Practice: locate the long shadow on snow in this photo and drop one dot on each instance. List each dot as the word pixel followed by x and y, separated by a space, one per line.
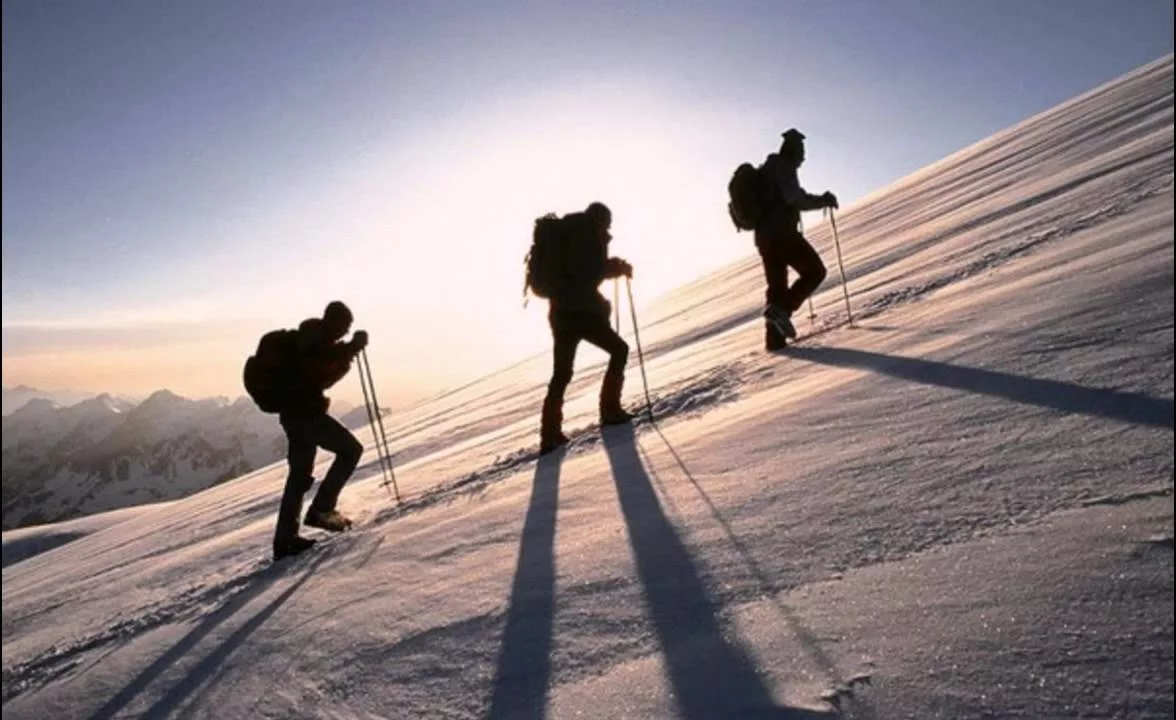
pixel 695 395
pixel 1067 397
pixel 524 662
pixel 711 677
pixel 843 689
pixel 204 670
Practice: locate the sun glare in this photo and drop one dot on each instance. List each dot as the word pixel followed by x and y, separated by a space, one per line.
pixel 449 285
pixel 425 237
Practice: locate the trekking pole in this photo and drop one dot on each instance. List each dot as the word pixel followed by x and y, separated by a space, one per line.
pixel 377 419
pixel 840 264
pixel 367 405
pixel 380 421
pixel 812 312
pixel 617 302
pixel 637 340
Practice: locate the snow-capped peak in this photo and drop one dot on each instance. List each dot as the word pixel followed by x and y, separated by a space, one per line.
pixel 36 407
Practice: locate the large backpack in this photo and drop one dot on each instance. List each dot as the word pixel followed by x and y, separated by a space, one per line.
pixel 544 262
pixel 749 191
pixel 270 372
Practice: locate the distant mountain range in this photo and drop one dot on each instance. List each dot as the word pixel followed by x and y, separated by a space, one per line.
pixel 16 397
pixel 64 460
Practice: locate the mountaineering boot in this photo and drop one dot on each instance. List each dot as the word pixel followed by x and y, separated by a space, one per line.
pixel 291 546
pixel 615 416
pixel 780 320
pixel 550 431
pixel 611 411
pixel 773 339
pixel 554 442
pixel 331 520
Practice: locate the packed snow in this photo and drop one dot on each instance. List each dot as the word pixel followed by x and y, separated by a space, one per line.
pixel 958 506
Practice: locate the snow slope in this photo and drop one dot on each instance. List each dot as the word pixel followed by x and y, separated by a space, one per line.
pixel 24 543
pixel 961 507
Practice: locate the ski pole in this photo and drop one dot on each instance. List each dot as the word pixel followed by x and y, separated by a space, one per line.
pixel 377 417
pixel 840 265
pixel 637 340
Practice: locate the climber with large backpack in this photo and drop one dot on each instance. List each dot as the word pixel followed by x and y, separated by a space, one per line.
pixel 768 200
pixel 288 376
pixel 567 262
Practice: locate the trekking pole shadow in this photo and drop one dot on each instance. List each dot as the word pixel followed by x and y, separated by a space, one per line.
pixel 711 676
pixel 524 661
pixel 203 670
pixel 807 639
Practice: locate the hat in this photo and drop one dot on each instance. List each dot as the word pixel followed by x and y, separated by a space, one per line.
pixel 599 213
pixel 792 135
pixel 337 310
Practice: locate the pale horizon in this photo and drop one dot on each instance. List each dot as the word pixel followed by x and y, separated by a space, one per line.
pixel 179 179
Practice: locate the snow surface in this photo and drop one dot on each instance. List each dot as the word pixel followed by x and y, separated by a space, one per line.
pixel 24 543
pixel 960 507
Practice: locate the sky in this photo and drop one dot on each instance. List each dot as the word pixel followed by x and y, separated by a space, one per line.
pixel 180 177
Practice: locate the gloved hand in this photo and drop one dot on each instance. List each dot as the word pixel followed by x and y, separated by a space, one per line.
pixel 359 340
pixel 620 267
pixel 830 200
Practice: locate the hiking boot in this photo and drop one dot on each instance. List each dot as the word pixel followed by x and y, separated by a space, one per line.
pixel 780 320
pixel 611 411
pixel 551 426
pixel 331 520
pixel 774 340
pixel 292 546
pixel 549 444
pixel 615 416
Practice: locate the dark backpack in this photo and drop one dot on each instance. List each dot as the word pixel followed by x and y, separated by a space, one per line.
pixel 270 372
pixel 749 191
pixel 544 262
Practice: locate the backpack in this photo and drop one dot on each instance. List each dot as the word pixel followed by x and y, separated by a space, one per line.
pixel 544 262
pixel 270 372
pixel 749 191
